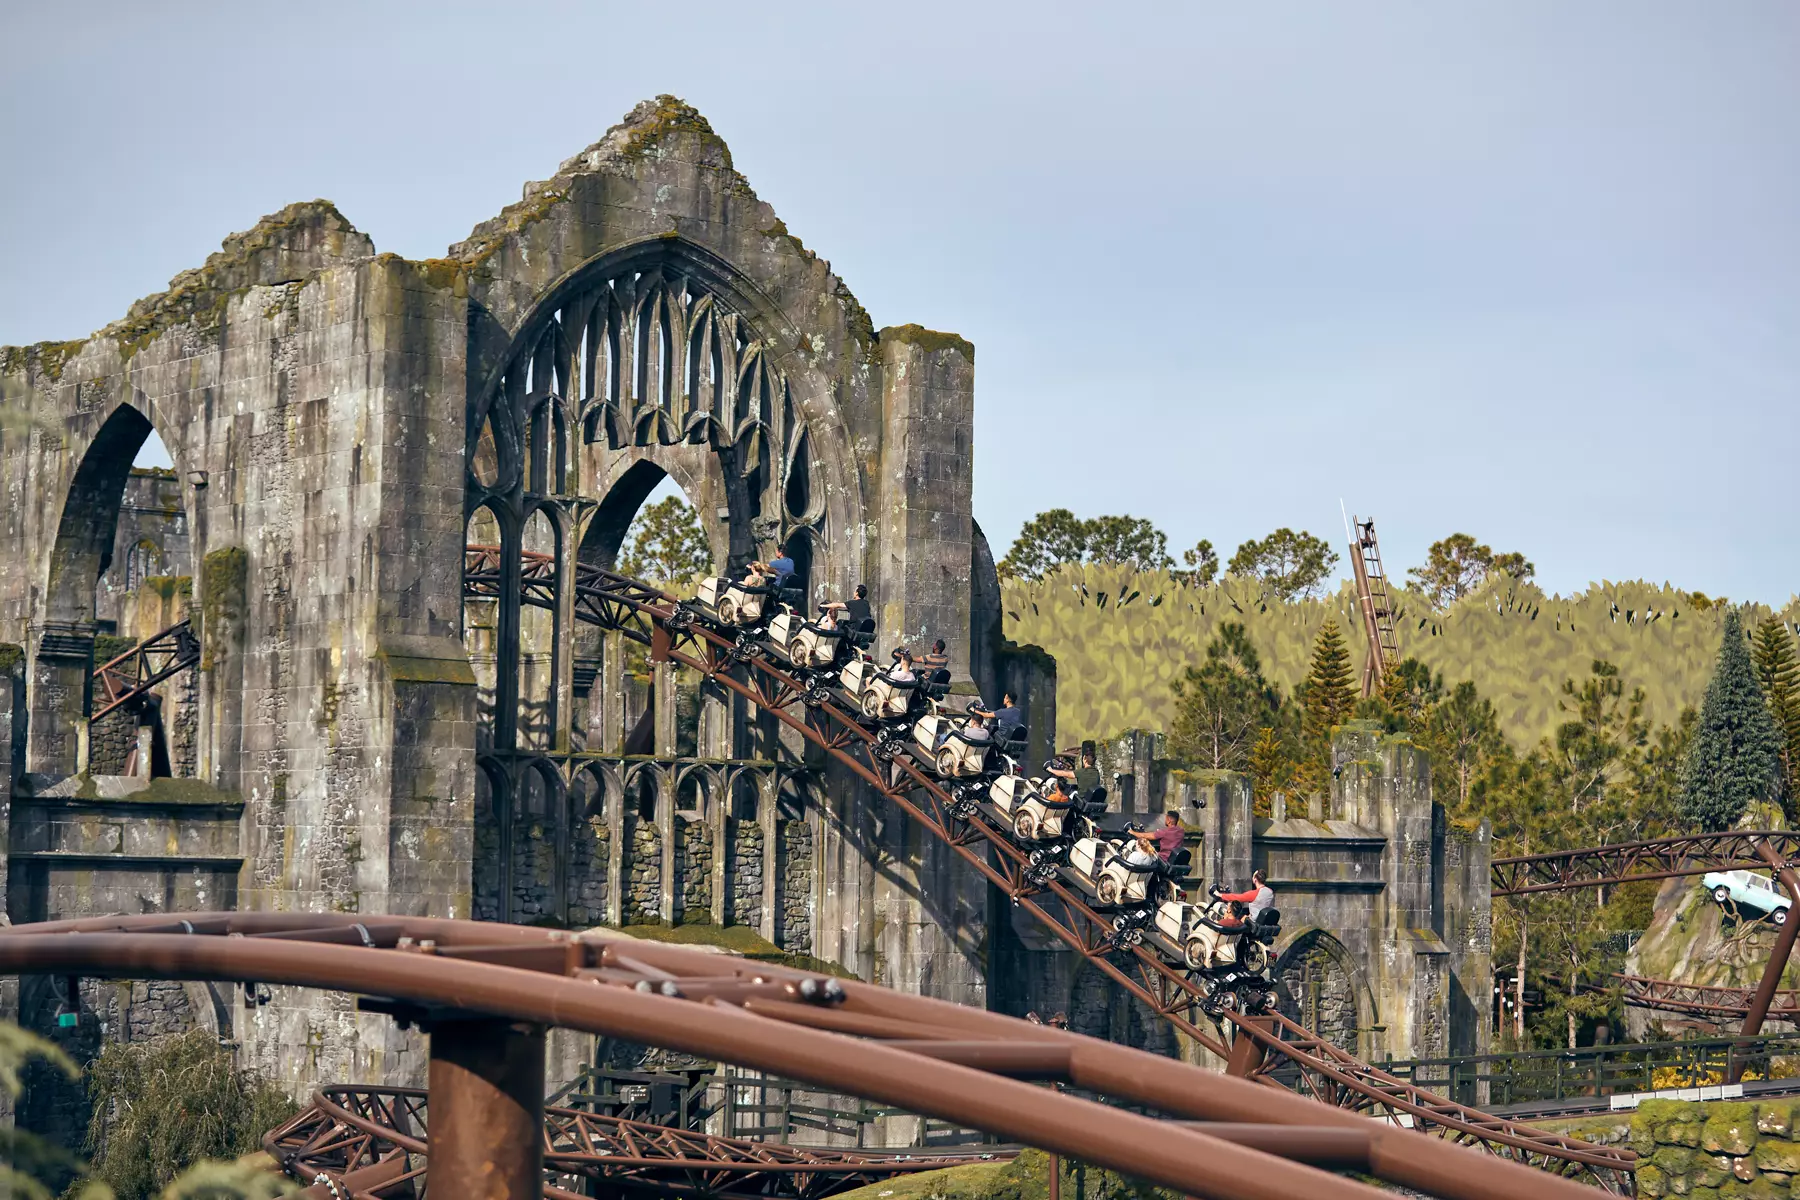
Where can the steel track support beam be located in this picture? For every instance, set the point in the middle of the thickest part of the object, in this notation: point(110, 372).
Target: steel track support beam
point(1778, 957)
point(487, 1110)
point(1247, 1053)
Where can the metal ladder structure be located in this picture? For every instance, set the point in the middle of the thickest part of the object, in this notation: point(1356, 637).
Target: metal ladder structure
point(1377, 609)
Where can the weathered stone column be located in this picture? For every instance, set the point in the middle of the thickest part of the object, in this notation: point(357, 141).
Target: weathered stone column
point(927, 534)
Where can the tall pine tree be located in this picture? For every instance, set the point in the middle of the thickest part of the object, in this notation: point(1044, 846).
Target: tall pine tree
point(1734, 758)
point(1779, 673)
point(1330, 692)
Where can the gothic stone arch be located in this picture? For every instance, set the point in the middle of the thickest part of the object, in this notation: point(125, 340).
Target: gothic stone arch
point(1323, 988)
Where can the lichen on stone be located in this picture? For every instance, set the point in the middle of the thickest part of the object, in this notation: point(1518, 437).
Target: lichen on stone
point(928, 339)
point(49, 358)
point(284, 247)
point(11, 655)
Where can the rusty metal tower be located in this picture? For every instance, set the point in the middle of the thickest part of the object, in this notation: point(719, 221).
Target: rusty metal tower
point(1377, 609)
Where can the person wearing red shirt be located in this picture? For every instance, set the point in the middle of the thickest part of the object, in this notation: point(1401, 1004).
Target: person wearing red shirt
point(1260, 896)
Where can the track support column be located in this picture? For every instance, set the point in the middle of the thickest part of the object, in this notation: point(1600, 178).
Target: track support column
point(1247, 1052)
point(1778, 957)
point(487, 1110)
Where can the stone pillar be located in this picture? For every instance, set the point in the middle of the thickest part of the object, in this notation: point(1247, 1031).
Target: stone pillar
point(718, 818)
point(767, 818)
point(927, 534)
point(59, 680)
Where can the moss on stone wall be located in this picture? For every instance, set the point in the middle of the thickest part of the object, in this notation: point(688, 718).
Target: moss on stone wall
point(49, 358)
point(928, 339)
point(198, 298)
point(224, 577)
point(12, 656)
point(109, 646)
point(1723, 1148)
point(168, 586)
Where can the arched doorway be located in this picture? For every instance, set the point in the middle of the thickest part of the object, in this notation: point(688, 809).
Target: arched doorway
point(120, 574)
point(1319, 987)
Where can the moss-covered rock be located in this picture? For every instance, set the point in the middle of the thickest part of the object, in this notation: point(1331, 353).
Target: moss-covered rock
point(1776, 1155)
point(1730, 1128)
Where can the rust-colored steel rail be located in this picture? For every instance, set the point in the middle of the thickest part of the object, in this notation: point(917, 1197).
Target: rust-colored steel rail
point(943, 1060)
point(141, 668)
point(1698, 1000)
point(1325, 1071)
point(350, 1134)
point(1629, 862)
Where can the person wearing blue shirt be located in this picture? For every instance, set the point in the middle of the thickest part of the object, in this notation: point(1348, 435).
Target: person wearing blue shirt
point(781, 566)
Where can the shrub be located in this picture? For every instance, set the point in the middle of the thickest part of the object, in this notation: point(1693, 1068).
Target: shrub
point(162, 1106)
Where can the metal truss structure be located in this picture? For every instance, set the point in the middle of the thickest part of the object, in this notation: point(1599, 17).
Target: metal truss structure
point(1629, 862)
point(1706, 1003)
point(373, 1141)
point(134, 673)
point(485, 991)
point(1262, 1045)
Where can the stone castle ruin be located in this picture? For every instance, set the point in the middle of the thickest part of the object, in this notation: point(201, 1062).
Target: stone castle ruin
point(354, 433)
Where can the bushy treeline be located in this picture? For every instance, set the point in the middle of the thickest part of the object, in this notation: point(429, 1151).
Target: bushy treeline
point(1605, 773)
point(1122, 637)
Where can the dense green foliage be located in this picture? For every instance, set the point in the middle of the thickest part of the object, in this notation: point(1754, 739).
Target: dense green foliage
point(1735, 757)
point(666, 543)
point(162, 1106)
point(1058, 537)
point(1121, 638)
point(1457, 565)
point(1223, 704)
point(1779, 674)
point(1287, 564)
point(159, 1108)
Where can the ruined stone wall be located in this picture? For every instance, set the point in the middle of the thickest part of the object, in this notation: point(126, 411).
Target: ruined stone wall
point(151, 543)
point(316, 399)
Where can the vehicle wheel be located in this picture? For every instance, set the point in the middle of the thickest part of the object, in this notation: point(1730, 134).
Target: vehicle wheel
point(1025, 827)
point(1779, 916)
point(1106, 890)
point(1213, 1006)
point(885, 748)
point(1721, 893)
point(680, 620)
point(728, 610)
point(816, 697)
point(1254, 958)
point(1194, 952)
point(946, 763)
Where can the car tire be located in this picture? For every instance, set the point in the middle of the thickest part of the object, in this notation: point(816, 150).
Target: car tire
point(1779, 916)
point(1722, 894)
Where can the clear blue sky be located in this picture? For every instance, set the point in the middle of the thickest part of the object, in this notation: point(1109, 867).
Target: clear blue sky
point(1525, 269)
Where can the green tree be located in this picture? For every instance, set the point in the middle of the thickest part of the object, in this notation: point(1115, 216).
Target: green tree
point(1271, 770)
point(1458, 564)
point(1058, 537)
point(1330, 693)
point(1288, 564)
point(1222, 705)
point(1202, 563)
point(1735, 755)
point(666, 543)
point(1128, 541)
point(1462, 735)
point(1779, 674)
point(1592, 749)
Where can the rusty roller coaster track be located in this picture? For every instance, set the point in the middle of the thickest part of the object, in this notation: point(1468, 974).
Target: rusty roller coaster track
point(373, 1141)
point(1707, 1003)
point(468, 983)
point(1629, 862)
point(1263, 1045)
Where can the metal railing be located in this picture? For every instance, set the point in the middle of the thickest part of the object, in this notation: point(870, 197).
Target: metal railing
point(1498, 1080)
point(730, 1102)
